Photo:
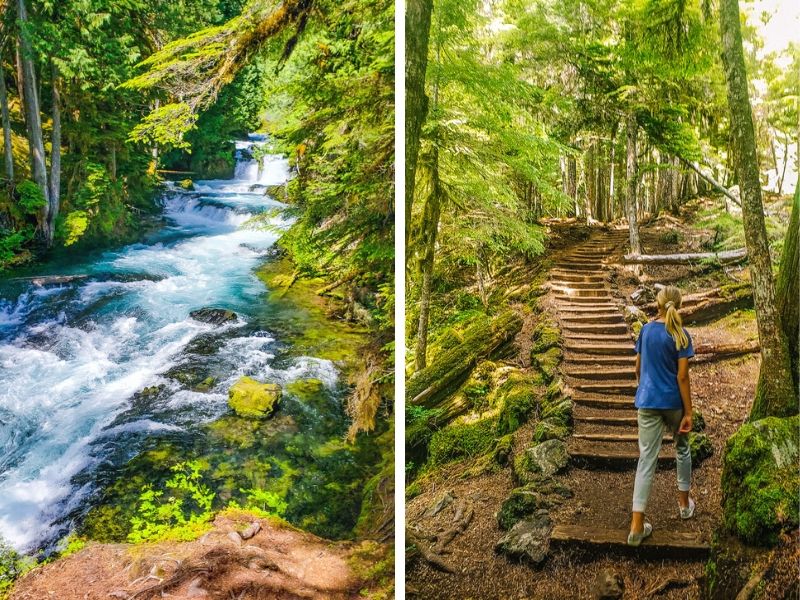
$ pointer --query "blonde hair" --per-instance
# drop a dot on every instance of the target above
(669, 301)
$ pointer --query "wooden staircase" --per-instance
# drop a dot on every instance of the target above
(598, 370)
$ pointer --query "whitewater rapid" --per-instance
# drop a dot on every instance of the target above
(72, 355)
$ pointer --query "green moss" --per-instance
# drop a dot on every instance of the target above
(250, 398)
(305, 389)
(700, 447)
(698, 421)
(545, 336)
(516, 398)
(186, 184)
(461, 440)
(542, 492)
(760, 480)
(205, 385)
(502, 450)
(550, 429)
(547, 362)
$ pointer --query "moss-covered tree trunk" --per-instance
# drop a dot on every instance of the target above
(55, 157)
(8, 152)
(632, 174)
(418, 25)
(787, 290)
(775, 390)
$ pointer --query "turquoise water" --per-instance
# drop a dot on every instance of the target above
(74, 355)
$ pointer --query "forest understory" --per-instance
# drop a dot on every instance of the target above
(477, 478)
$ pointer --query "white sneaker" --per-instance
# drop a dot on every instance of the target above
(634, 539)
(688, 512)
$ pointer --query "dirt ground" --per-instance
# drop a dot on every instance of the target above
(277, 563)
(722, 391)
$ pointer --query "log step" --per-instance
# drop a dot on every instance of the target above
(577, 277)
(594, 300)
(605, 349)
(592, 328)
(617, 338)
(599, 373)
(609, 401)
(621, 388)
(581, 317)
(619, 456)
(615, 437)
(606, 420)
(601, 361)
(662, 543)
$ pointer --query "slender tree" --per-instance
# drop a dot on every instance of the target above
(632, 175)
(418, 25)
(775, 394)
(55, 155)
(8, 151)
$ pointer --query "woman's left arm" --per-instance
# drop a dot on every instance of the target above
(686, 395)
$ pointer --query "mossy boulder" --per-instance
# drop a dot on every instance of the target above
(186, 184)
(253, 399)
(700, 447)
(205, 385)
(760, 480)
(214, 316)
(516, 398)
(461, 440)
(547, 362)
(550, 429)
(502, 449)
(305, 389)
(545, 459)
(545, 336)
(528, 540)
(544, 492)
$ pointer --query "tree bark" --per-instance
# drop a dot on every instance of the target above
(632, 175)
(55, 157)
(33, 119)
(590, 179)
(787, 289)
(430, 228)
(8, 150)
(572, 177)
(775, 393)
(418, 25)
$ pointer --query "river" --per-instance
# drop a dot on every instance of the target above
(99, 389)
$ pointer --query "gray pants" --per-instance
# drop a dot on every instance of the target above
(651, 429)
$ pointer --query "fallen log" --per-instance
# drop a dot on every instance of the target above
(714, 352)
(41, 280)
(714, 183)
(703, 307)
(426, 387)
(726, 257)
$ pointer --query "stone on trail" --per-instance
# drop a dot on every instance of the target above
(608, 585)
(528, 540)
(547, 458)
(438, 506)
(545, 493)
(250, 530)
(213, 316)
(251, 398)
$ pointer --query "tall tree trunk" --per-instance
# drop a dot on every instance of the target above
(775, 393)
(430, 229)
(787, 290)
(8, 150)
(418, 25)
(589, 176)
(572, 177)
(55, 157)
(632, 177)
(33, 120)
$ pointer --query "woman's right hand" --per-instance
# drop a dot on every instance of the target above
(686, 424)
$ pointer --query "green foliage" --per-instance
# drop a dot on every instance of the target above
(182, 515)
(266, 501)
(31, 198)
(12, 566)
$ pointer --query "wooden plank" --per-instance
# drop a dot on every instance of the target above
(673, 544)
(614, 437)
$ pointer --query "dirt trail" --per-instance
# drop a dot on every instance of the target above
(598, 370)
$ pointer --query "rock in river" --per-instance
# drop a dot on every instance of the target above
(215, 316)
(251, 398)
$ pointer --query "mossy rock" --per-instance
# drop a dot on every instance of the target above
(205, 385)
(760, 480)
(253, 399)
(545, 459)
(188, 375)
(305, 389)
(558, 411)
(700, 446)
(545, 336)
(461, 440)
(550, 429)
(517, 399)
(150, 392)
(503, 449)
(698, 421)
(543, 492)
(186, 184)
(234, 431)
(214, 316)
(547, 362)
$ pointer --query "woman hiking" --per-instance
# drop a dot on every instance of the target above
(663, 398)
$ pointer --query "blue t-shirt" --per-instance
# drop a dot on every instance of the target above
(658, 376)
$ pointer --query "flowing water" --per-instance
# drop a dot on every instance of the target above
(76, 355)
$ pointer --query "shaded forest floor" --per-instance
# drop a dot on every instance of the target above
(722, 392)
